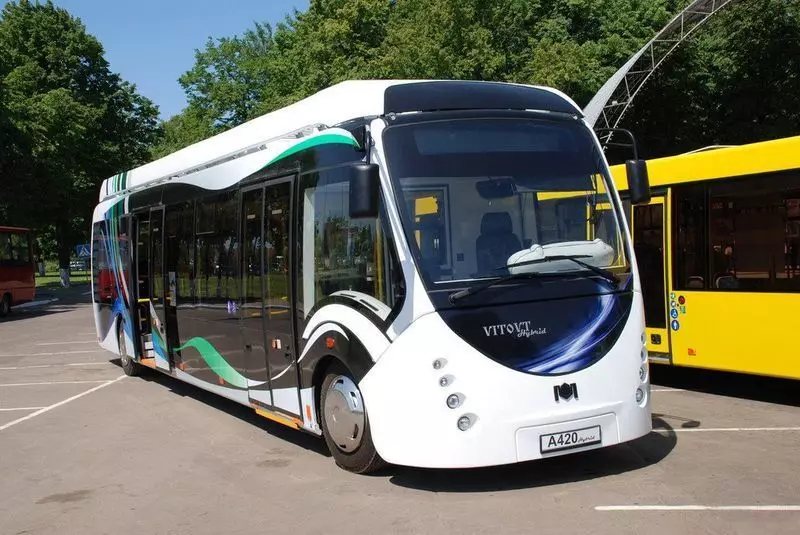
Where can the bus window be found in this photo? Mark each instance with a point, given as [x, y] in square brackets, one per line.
[340, 254]
[689, 227]
[753, 243]
[428, 208]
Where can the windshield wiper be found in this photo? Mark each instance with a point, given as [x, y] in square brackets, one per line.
[606, 274]
[472, 290]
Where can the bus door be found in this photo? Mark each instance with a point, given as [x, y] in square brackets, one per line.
[649, 243]
[266, 315]
[178, 222]
[149, 256]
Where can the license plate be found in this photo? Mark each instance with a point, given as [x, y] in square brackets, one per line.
[568, 440]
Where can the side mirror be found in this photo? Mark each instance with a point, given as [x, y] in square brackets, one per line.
[638, 181]
[365, 191]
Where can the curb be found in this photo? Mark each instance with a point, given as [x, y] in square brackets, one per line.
[33, 304]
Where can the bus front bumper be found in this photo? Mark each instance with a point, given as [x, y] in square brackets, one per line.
[512, 416]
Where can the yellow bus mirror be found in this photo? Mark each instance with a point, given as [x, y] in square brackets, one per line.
[638, 181]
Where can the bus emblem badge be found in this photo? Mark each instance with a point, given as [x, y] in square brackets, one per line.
[565, 391]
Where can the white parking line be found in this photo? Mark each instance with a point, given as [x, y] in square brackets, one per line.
[32, 304]
[51, 354]
[53, 365]
[21, 409]
[667, 390]
[52, 383]
[725, 429]
[60, 403]
[66, 343]
[794, 508]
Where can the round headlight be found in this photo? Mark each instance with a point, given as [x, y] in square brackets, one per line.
[464, 423]
[453, 401]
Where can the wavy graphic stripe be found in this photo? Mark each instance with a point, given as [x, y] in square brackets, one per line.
[313, 142]
[574, 352]
[218, 363]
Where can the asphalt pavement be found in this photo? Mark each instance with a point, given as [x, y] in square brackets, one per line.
[84, 449]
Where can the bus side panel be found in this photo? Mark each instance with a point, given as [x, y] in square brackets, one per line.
[740, 332]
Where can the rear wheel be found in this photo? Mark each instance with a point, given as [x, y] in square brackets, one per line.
[345, 424]
[5, 305]
[129, 366]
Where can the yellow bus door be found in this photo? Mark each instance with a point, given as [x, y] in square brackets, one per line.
[649, 244]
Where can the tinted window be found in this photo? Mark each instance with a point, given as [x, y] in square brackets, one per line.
[690, 219]
[217, 248]
[14, 249]
[482, 193]
[339, 254]
[754, 234]
[180, 248]
[739, 235]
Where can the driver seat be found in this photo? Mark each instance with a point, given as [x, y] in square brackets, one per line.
[496, 242]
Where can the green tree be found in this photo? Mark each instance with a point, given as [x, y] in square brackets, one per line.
[73, 122]
[735, 82]
[704, 94]
[227, 83]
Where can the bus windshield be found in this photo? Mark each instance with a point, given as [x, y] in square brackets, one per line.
[488, 197]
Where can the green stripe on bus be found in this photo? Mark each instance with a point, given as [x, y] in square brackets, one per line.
[215, 361]
[323, 139]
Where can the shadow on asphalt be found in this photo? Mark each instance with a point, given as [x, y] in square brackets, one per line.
[246, 414]
[67, 299]
[586, 466]
[589, 465]
[737, 385]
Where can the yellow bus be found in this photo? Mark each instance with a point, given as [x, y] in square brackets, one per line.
[718, 249]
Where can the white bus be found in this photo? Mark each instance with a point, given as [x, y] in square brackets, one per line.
[425, 273]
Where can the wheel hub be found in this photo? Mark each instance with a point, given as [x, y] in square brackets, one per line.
[344, 414]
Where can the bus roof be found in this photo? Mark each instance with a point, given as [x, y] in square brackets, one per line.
[336, 105]
[752, 159]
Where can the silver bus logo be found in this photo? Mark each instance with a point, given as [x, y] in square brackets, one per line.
[520, 329]
[565, 391]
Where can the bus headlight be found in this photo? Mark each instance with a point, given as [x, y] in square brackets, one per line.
[466, 421]
[438, 364]
[639, 395]
[454, 401]
[643, 372]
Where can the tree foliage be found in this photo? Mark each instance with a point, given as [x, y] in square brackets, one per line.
[570, 44]
[735, 81]
[66, 122]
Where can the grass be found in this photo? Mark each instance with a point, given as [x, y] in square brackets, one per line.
[52, 281]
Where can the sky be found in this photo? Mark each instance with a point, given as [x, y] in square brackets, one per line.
[152, 42]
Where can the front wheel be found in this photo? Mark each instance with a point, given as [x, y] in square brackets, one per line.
[345, 424]
[129, 366]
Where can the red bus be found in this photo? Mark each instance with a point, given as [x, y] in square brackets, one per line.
[17, 273]
[104, 281]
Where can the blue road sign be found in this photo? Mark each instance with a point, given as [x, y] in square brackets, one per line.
[84, 251]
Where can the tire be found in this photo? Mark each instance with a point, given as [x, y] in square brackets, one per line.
[349, 439]
[5, 305]
[129, 366]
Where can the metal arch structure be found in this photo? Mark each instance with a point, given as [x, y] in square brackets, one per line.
[612, 101]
